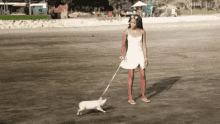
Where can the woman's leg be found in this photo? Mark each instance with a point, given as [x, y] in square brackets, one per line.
[142, 83]
[129, 84]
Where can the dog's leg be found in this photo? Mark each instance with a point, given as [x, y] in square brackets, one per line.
[79, 112]
[100, 109]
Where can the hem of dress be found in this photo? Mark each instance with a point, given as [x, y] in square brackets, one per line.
[132, 68]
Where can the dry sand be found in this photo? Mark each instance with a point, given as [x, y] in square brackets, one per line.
[150, 27]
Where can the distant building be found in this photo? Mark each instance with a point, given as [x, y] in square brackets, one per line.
[39, 8]
[9, 7]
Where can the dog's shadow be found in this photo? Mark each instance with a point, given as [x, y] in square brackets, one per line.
[160, 86]
[97, 111]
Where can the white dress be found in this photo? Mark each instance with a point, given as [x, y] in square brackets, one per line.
[135, 55]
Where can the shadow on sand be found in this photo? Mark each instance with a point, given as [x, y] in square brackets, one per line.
[104, 108]
[160, 86]
[155, 89]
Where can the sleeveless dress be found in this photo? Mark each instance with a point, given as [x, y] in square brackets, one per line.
[135, 55]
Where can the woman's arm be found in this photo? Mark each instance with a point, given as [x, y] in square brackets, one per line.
[144, 44]
[123, 42]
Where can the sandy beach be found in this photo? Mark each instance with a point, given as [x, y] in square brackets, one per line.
[46, 72]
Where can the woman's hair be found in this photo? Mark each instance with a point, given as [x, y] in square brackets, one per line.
[139, 24]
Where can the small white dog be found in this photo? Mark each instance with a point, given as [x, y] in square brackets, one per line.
[95, 104]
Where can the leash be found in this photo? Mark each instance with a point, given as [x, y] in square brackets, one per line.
[111, 80]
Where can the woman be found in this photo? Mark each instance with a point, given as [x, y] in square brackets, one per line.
[136, 55]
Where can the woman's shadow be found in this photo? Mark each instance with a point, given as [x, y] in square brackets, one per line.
[160, 86]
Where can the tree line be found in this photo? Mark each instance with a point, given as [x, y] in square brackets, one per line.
[116, 5]
[89, 5]
[204, 4]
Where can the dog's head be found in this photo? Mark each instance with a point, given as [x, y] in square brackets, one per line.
[102, 102]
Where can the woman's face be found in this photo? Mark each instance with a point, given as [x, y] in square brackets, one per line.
[133, 23]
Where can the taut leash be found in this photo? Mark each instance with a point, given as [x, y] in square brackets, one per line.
[111, 80]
